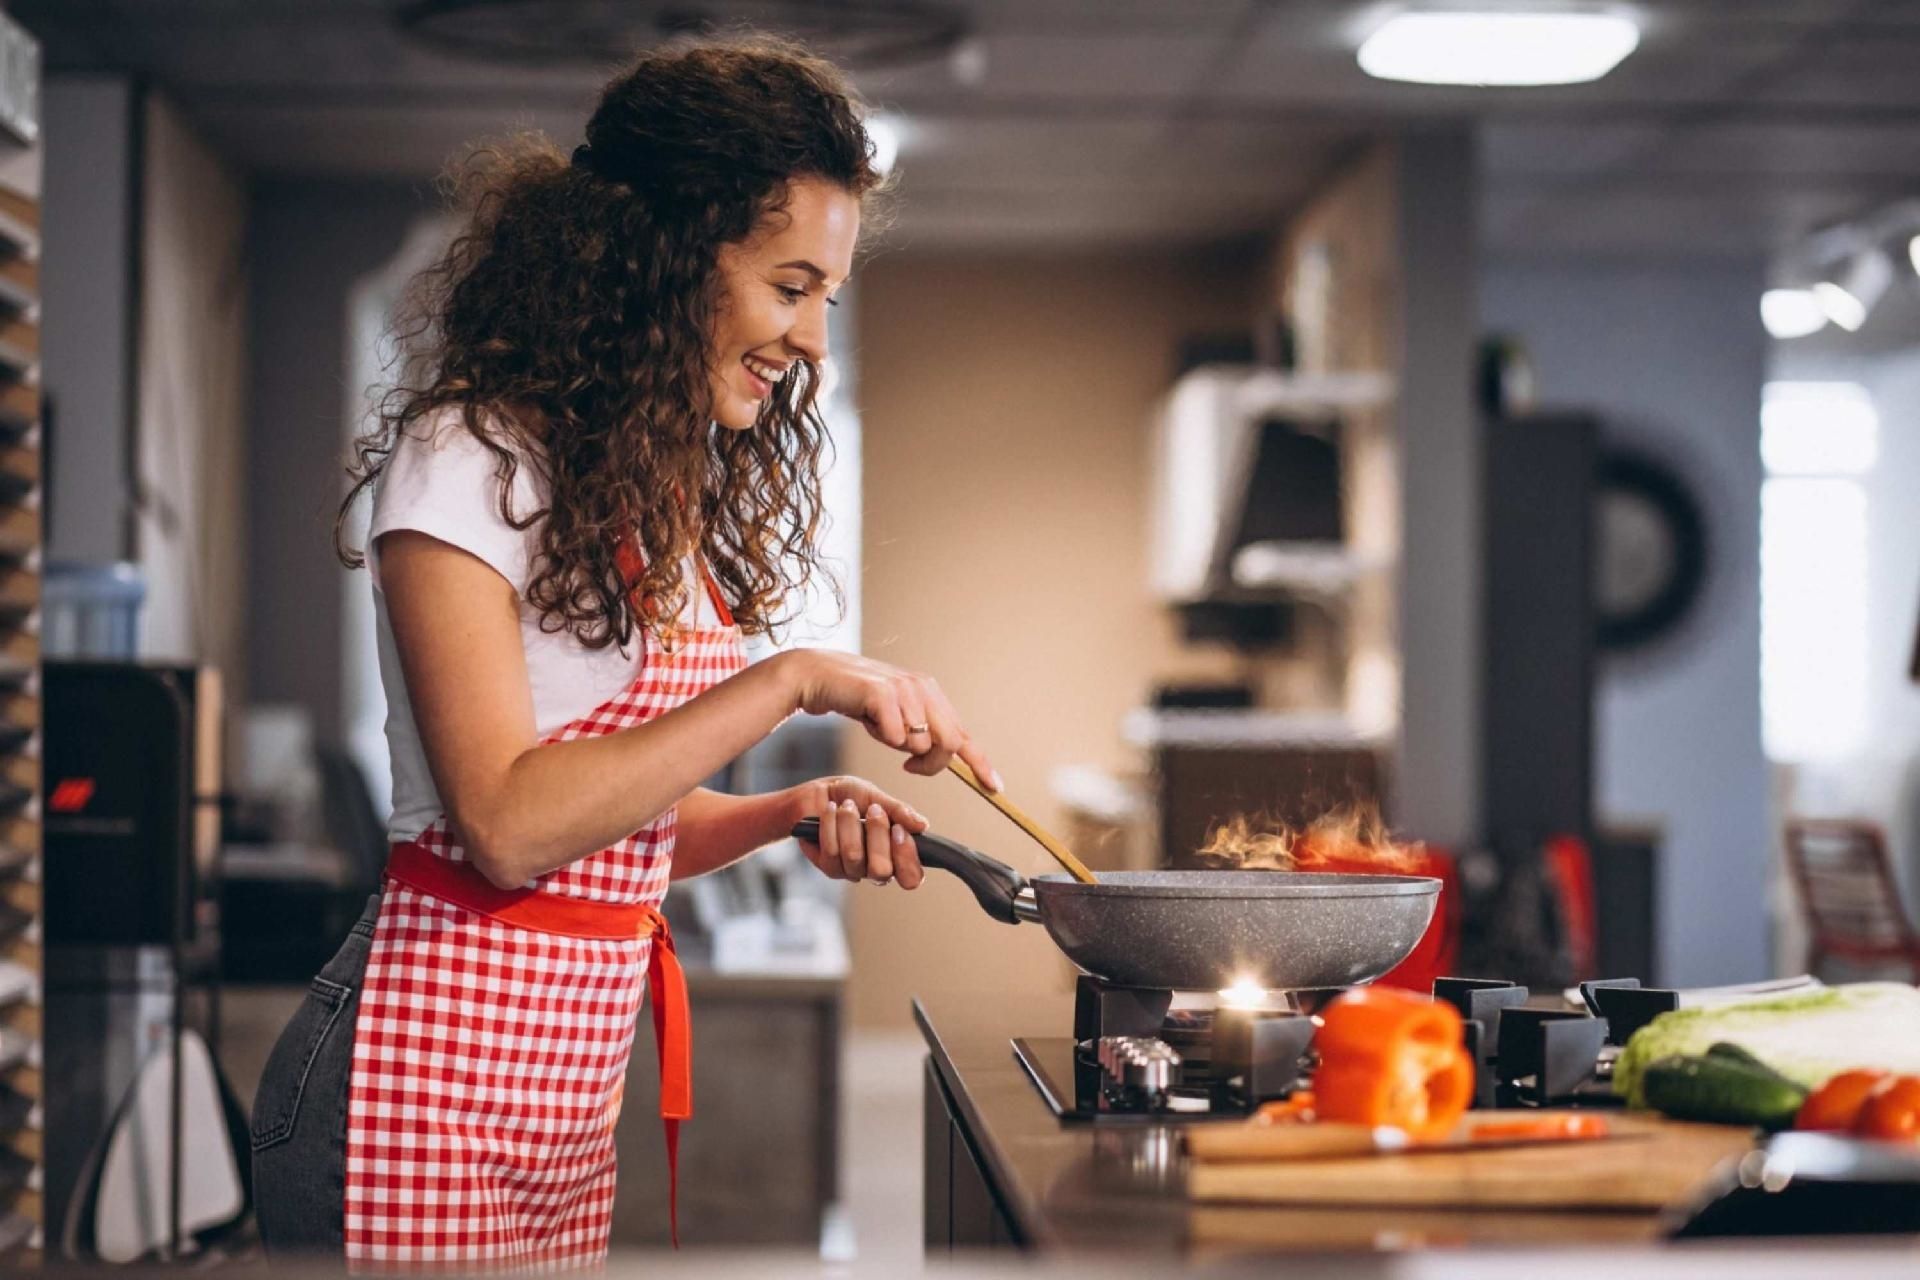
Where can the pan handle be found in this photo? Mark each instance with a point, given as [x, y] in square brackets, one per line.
[1001, 891]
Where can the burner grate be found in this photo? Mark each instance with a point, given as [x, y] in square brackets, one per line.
[1167, 1062]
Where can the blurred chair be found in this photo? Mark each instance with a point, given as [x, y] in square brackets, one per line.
[1849, 895]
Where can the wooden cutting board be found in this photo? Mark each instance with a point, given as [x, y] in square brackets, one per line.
[1653, 1163]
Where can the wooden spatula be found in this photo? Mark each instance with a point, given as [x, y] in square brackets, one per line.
[1061, 854]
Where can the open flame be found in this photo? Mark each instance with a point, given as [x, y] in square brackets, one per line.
[1348, 838]
[1245, 993]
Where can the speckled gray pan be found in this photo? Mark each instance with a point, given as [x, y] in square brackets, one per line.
[1204, 930]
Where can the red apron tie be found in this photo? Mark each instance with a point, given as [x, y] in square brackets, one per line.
[673, 1038]
[462, 885]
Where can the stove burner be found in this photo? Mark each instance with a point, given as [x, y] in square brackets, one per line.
[1134, 1057]
[1108, 1009]
[1077, 1087]
[1138, 1068]
[1257, 1053]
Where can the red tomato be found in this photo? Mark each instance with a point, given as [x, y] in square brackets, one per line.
[1892, 1111]
[1835, 1105]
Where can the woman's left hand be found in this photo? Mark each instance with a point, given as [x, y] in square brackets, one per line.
[864, 832]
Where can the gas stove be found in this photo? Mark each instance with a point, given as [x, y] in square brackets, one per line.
[1149, 1055]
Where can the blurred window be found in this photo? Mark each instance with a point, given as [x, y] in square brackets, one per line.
[1818, 443]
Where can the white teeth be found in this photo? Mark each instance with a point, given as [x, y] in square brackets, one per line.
[772, 373]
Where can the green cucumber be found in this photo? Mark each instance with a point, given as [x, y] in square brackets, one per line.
[1730, 1052]
[1722, 1088]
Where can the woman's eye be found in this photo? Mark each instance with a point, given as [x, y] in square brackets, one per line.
[790, 293]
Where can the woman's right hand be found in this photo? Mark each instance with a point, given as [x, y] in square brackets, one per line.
[904, 709]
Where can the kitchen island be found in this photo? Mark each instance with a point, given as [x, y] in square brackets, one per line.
[1003, 1173]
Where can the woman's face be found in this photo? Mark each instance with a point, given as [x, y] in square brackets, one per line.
[775, 287]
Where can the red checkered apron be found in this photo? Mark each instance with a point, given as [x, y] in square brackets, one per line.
[494, 1028]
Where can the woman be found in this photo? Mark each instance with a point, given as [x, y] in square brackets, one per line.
[601, 470]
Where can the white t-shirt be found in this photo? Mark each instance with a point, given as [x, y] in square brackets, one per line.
[443, 482]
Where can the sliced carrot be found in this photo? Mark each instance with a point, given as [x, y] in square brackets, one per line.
[1543, 1127]
[1296, 1108]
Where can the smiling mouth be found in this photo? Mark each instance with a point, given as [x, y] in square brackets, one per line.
[764, 373]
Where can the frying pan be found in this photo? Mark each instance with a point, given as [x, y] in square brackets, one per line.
[1203, 930]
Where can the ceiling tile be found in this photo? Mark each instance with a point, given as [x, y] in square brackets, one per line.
[1736, 122]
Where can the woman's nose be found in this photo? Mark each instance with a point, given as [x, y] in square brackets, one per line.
[809, 333]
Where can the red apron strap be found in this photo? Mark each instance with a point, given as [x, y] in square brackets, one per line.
[720, 608]
[632, 565]
[673, 1039]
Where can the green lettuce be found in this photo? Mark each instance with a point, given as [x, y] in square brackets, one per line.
[1807, 1037]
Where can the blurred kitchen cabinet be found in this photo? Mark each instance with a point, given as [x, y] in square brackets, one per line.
[760, 1160]
[960, 1209]
[22, 952]
[936, 1156]
[1537, 682]
[1201, 787]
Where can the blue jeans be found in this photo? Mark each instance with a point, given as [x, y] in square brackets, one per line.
[299, 1127]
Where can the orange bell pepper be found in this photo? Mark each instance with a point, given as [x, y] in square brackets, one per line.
[1392, 1058]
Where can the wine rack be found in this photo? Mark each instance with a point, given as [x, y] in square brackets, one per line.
[21, 1083]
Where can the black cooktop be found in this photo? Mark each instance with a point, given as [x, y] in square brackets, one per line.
[1069, 1079]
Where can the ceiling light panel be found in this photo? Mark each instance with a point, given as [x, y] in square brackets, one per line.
[1507, 49]
[1791, 313]
[1849, 298]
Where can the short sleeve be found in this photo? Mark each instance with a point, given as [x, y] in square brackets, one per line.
[443, 481]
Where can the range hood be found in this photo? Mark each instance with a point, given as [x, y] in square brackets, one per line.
[1247, 488]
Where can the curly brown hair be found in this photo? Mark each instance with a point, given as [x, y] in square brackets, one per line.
[569, 323]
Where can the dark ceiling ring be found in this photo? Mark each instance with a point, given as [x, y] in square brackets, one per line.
[858, 34]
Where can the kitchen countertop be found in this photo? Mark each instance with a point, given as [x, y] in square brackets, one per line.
[1073, 1189]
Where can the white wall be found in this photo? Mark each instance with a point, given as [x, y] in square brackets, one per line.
[310, 244]
[372, 305]
[823, 623]
[1893, 585]
[145, 293]
[1672, 357]
[189, 434]
[1880, 779]
[87, 289]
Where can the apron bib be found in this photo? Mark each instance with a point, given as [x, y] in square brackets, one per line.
[495, 1025]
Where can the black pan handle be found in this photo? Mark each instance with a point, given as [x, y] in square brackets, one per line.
[995, 885]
